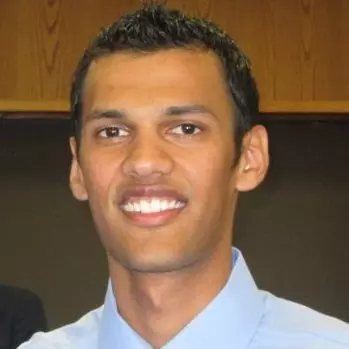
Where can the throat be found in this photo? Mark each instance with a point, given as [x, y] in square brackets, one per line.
[159, 306]
[152, 310]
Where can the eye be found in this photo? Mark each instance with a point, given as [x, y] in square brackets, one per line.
[186, 130]
[112, 132]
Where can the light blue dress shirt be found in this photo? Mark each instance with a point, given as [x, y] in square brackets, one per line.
[240, 317]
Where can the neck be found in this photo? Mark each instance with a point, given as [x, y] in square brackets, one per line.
[158, 306]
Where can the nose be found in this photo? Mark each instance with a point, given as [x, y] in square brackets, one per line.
[147, 158]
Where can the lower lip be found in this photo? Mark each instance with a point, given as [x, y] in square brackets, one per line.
[151, 220]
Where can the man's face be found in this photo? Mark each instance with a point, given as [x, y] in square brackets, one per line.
[156, 157]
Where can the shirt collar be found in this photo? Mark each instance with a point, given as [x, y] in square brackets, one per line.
[231, 318]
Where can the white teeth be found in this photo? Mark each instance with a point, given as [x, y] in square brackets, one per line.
[178, 205]
[155, 205]
[164, 205]
[144, 206]
[128, 207]
[152, 206]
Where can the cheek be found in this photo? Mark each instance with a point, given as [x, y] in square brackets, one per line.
[101, 176]
[210, 176]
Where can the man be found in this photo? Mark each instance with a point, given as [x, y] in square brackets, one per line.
[166, 136]
[21, 315]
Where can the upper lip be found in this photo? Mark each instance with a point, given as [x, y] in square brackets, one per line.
[151, 191]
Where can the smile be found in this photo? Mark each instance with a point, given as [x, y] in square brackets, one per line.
[154, 205]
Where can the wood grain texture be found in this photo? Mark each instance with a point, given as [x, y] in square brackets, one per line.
[299, 49]
[8, 49]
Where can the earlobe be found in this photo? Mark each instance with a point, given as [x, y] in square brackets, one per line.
[254, 160]
[76, 178]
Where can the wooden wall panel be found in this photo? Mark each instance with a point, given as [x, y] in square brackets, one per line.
[43, 45]
[299, 49]
[8, 50]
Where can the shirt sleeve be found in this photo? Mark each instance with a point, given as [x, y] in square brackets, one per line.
[38, 343]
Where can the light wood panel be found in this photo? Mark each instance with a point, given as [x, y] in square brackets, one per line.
[299, 48]
[43, 40]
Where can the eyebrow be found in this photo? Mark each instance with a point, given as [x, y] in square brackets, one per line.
[188, 109]
[176, 110]
[106, 114]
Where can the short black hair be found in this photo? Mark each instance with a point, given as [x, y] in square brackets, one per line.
[155, 27]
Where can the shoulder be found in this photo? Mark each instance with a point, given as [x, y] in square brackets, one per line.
[289, 322]
[81, 334]
[15, 295]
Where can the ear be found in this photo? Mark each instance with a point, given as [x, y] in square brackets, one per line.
[254, 159]
[76, 177]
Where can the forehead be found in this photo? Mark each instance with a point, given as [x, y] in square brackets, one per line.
[172, 76]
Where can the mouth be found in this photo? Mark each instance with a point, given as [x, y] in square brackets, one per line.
[150, 207]
[153, 205]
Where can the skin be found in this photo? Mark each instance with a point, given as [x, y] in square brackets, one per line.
[134, 109]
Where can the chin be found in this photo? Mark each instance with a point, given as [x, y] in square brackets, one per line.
[157, 263]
